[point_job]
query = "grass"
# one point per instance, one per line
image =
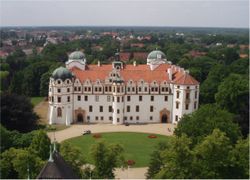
(36, 100)
(137, 146)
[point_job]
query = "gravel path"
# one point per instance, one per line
(77, 130)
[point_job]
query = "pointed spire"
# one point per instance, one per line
(28, 172)
(51, 155)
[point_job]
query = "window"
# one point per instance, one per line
(52, 99)
(137, 108)
(96, 118)
(128, 98)
(59, 112)
(110, 109)
(110, 118)
(97, 98)
(177, 105)
(186, 107)
(137, 118)
(106, 89)
(187, 95)
(96, 89)
(118, 120)
(79, 98)
(151, 108)
(108, 98)
(118, 89)
(133, 89)
(59, 99)
(90, 108)
(139, 89)
(128, 108)
(88, 118)
(145, 89)
(125, 118)
(101, 118)
(166, 98)
(101, 108)
(128, 89)
(68, 98)
(152, 98)
(151, 118)
(79, 88)
(100, 89)
(140, 98)
(195, 105)
(68, 89)
(188, 87)
(118, 111)
(89, 89)
(85, 89)
(118, 99)
(176, 118)
(195, 95)
(58, 90)
(131, 118)
(122, 98)
(178, 87)
(85, 98)
(178, 94)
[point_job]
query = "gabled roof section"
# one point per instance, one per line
(183, 78)
(57, 169)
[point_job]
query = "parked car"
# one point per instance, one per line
(86, 132)
(126, 124)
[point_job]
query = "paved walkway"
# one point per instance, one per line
(77, 130)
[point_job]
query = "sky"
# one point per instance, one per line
(187, 13)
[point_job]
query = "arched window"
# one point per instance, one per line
(59, 112)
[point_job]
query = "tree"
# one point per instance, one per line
(106, 158)
(233, 95)
(15, 162)
(212, 158)
(17, 113)
(27, 159)
(177, 160)
(203, 121)
(73, 156)
(156, 160)
(41, 144)
(240, 159)
(210, 86)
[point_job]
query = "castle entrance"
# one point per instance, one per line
(165, 116)
(80, 115)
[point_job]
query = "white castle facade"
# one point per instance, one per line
(156, 92)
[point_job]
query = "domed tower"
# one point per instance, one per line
(155, 58)
(60, 96)
(76, 59)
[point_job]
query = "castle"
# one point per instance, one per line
(156, 92)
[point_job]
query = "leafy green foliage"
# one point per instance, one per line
(106, 158)
(156, 161)
(15, 162)
(73, 156)
(41, 144)
(233, 95)
(17, 113)
(203, 121)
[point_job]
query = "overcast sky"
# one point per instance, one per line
(201, 13)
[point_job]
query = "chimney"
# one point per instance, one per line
(99, 63)
(170, 73)
(134, 63)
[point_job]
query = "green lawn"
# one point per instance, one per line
(137, 146)
(36, 100)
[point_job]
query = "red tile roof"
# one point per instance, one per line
(124, 56)
(183, 78)
(135, 73)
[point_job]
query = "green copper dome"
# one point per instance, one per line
(156, 55)
(62, 73)
(76, 55)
